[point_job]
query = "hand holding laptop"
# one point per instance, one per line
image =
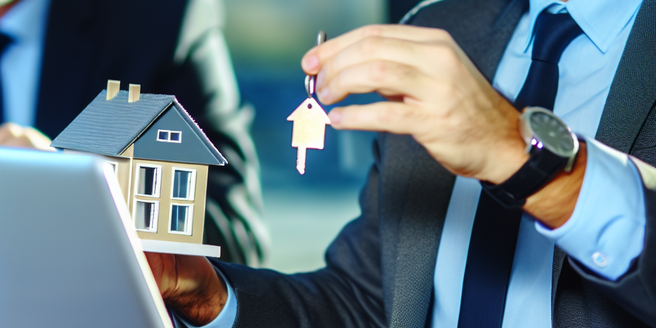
(190, 285)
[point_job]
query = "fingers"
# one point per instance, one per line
(164, 272)
(14, 135)
(446, 104)
(313, 59)
(421, 55)
(37, 139)
(394, 117)
(389, 79)
(389, 66)
(9, 131)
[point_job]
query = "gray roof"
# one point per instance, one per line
(108, 127)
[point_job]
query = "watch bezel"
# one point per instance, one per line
(532, 141)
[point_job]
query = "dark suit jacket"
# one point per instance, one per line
(380, 268)
(88, 42)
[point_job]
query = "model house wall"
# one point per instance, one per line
(169, 200)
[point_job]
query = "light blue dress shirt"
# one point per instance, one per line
(20, 66)
(606, 230)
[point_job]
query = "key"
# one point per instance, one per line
(309, 121)
(309, 129)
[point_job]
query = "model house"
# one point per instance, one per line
(159, 154)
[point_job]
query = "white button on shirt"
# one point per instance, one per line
(600, 259)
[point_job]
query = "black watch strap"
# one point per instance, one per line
(537, 172)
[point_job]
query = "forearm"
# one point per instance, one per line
(267, 298)
(348, 293)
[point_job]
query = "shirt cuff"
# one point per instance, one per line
(228, 315)
(607, 228)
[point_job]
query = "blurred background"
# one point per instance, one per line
(267, 39)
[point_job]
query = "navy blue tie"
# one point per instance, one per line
(494, 235)
(5, 40)
(552, 35)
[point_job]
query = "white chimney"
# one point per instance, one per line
(134, 93)
(112, 88)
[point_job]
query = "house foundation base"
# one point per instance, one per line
(169, 247)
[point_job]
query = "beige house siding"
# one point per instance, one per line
(123, 170)
(126, 180)
(122, 174)
(126, 173)
(165, 201)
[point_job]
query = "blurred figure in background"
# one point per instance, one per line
(56, 56)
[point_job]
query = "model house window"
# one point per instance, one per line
(148, 180)
(181, 219)
(145, 217)
(169, 136)
(175, 136)
(184, 182)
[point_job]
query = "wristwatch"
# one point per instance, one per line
(552, 147)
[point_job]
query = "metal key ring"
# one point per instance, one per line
(311, 80)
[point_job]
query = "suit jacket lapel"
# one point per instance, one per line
(486, 51)
(481, 28)
(391, 206)
(68, 53)
(418, 223)
(633, 91)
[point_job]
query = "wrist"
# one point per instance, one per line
(200, 294)
(507, 163)
(552, 146)
(507, 155)
(554, 204)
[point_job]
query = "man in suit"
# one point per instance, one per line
(388, 267)
(64, 51)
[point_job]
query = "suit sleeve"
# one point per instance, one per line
(636, 290)
(608, 236)
(606, 230)
(346, 293)
(204, 82)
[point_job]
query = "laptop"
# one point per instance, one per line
(67, 256)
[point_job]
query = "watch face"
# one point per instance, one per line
(552, 133)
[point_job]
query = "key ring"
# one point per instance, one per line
(311, 80)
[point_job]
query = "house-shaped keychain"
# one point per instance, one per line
(308, 131)
(160, 157)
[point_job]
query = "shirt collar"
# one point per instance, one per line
(601, 20)
(25, 22)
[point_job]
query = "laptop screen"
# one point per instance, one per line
(67, 258)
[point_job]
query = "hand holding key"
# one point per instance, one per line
(437, 95)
